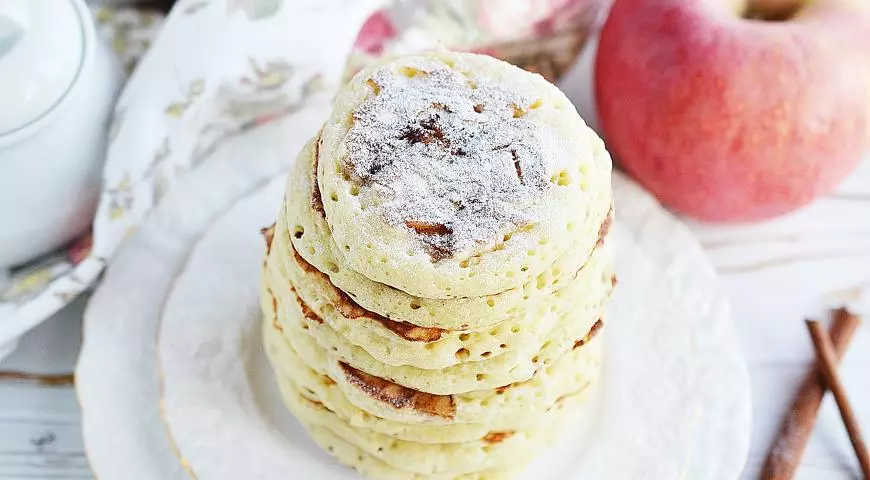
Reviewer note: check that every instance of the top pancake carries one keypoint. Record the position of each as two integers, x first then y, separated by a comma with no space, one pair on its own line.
451,175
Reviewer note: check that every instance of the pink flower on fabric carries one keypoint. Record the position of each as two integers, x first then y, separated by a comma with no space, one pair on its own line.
375,33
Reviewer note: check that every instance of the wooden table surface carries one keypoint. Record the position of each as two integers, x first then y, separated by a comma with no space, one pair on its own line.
777,273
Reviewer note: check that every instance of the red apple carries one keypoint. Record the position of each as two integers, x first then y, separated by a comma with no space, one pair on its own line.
733,110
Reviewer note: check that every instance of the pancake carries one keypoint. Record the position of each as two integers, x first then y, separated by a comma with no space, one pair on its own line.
507,450
438,173
494,450
396,343
508,406
288,365
511,367
310,237
375,469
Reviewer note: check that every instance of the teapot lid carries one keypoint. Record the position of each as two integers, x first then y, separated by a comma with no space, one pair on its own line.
42,47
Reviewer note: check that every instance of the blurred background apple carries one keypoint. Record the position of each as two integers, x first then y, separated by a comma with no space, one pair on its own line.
732,110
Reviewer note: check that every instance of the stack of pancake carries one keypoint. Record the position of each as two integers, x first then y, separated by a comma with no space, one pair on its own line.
435,284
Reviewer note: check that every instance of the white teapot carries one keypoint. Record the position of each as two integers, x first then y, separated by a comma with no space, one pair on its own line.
58,84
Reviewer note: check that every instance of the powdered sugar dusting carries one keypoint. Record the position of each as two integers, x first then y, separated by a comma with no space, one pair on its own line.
453,159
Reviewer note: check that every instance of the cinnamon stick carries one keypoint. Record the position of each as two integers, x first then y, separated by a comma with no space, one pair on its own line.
827,364
59,380
785,453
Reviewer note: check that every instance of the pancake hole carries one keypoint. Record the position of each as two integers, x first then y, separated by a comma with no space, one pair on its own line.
354,190
347,248
495,331
507,237
330,449
333,196
535,359
334,349
464,337
311,250
298,231
515,329
430,346
478,108
462,354
380,449
480,377
525,268
503,346
415,305
484,402
360,458
525,297
490,303
304,327
464,264
383,259
332,267
369,246
486,354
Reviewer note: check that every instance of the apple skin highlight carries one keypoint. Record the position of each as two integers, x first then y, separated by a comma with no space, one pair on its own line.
729,119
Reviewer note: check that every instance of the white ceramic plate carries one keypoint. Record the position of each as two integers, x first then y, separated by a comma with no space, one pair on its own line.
674,399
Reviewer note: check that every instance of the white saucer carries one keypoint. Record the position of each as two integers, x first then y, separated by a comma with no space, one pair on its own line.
674,400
